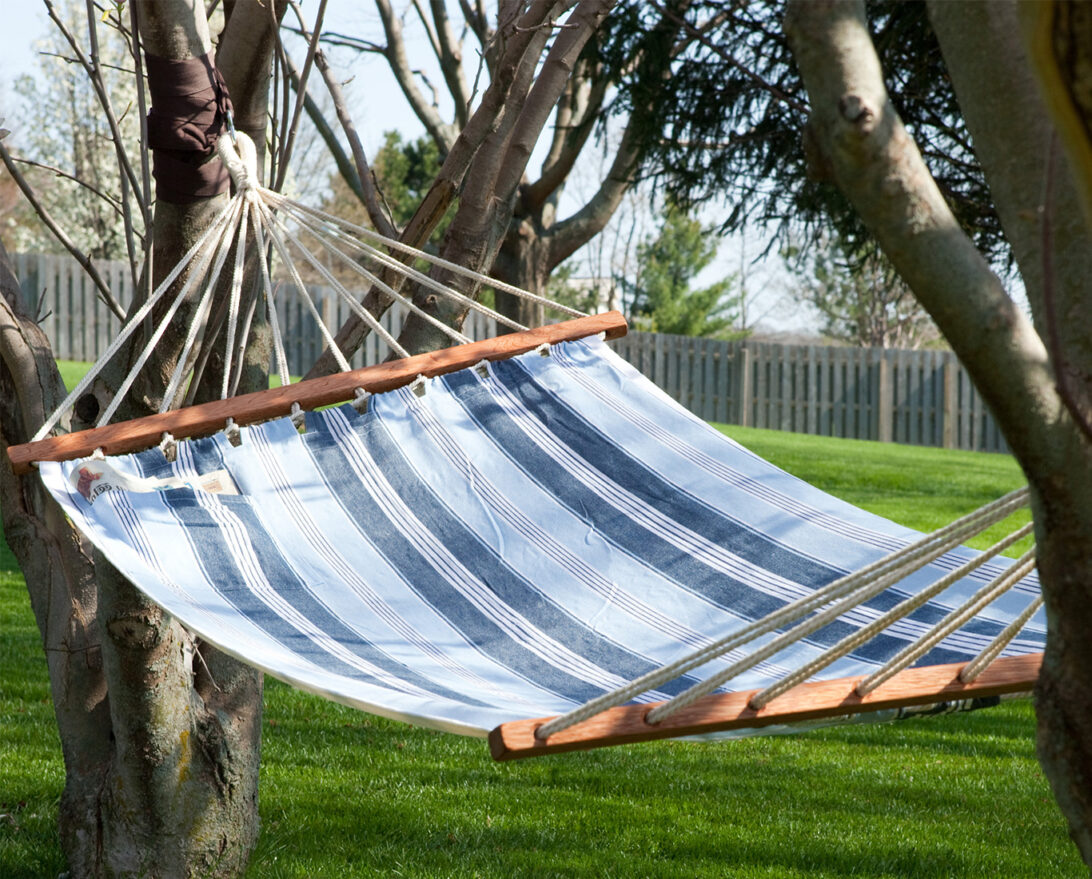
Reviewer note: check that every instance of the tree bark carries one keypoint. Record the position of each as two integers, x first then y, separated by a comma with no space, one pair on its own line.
56,561
160,733
858,142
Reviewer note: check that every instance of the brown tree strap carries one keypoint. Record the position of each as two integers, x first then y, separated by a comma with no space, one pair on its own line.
190,105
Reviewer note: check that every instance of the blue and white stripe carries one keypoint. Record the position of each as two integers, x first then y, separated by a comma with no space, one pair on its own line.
516,541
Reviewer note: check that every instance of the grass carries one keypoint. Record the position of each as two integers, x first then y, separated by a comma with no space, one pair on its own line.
346,794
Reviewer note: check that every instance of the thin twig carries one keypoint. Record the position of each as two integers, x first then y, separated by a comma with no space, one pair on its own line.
82,258
104,101
713,47
109,199
301,87
376,213
126,209
145,166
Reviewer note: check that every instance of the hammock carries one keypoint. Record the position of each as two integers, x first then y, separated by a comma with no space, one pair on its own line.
525,536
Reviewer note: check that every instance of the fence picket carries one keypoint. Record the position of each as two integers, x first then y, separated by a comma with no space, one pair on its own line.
921,397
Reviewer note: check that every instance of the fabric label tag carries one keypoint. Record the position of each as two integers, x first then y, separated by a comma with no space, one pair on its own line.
94,478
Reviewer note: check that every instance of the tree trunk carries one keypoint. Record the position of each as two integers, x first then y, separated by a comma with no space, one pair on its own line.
523,261
859,142
513,111
56,561
160,733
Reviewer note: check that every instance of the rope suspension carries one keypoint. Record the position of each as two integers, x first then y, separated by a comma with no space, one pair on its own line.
831,601
855,588
284,228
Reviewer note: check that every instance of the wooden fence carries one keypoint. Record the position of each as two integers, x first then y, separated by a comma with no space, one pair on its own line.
916,397
80,326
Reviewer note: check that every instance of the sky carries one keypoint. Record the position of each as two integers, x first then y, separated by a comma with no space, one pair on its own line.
368,84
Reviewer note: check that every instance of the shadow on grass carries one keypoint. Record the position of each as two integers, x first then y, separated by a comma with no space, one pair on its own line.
415,803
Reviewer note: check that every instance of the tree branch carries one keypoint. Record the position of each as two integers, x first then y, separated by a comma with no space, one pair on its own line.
398,61
450,54
858,141
82,258
365,183
104,101
300,83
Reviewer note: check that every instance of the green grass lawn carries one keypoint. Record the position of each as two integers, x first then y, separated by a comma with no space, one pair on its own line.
345,794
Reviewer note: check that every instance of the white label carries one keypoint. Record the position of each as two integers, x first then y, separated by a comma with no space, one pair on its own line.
94,478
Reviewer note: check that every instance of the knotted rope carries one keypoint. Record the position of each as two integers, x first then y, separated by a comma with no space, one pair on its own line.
264,214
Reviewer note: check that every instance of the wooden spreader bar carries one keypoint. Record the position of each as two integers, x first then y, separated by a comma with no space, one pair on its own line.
207,418
811,701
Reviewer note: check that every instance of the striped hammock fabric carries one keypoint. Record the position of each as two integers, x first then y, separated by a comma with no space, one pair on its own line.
503,542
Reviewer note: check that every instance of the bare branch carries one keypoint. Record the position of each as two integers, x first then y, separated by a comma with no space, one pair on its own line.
430,31
343,160
450,54
104,101
549,86
58,172
145,165
300,82
126,211
82,258
370,195
398,61
743,68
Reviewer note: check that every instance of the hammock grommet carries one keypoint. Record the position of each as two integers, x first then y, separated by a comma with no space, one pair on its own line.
299,418
169,447
232,433
360,400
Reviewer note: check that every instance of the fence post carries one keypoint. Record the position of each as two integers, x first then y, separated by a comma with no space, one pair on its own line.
743,387
886,399
951,402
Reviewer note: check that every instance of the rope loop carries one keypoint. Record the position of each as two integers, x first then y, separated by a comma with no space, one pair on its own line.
241,160
299,417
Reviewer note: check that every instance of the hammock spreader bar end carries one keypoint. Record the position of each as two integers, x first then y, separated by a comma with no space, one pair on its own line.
208,418
816,700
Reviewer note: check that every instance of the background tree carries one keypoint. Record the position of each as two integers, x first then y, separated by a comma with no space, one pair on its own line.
540,234
1036,375
662,298
160,731
731,124
76,172
860,298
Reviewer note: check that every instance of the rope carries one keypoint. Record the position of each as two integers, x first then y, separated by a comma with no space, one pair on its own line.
906,559
455,268
421,278
981,662
158,333
983,597
867,633
233,305
271,305
130,326
357,308
253,206
301,288
200,313
408,303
